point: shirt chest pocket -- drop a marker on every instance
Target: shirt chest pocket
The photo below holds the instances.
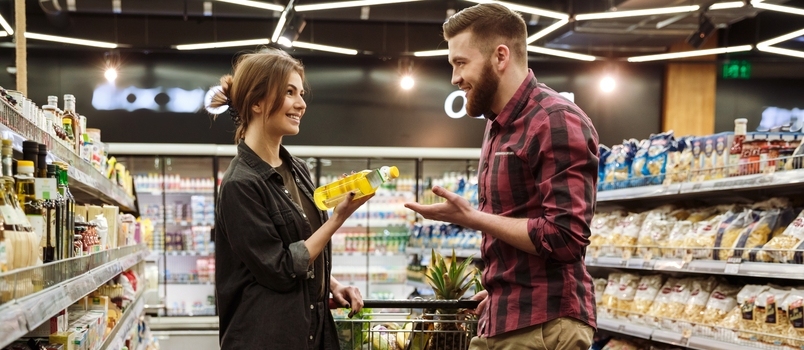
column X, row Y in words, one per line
column 510, row 173
column 285, row 223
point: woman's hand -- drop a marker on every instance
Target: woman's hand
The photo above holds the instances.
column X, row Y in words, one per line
column 347, row 296
column 348, row 206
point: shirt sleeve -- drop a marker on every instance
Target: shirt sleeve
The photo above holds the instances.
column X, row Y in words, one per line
column 253, row 237
column 563, row 157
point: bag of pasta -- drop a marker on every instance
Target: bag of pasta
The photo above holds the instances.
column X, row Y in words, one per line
column 654, row 232
column 722, row 300
column 603, row 153
column 747, row 298
column 672, row 246
column 728, row 232
column 600, row 288
column 762, row 253
column 624, row 236
column 702, row 241
column 609, row 299
column 618, row 165
column 702, row 214
column 794, row 304
column 638, row 165
column 782, row 248
column 699, row 297
column 601, row 227
column 660, row 304
column 647, row 290
column 625, row 294
column 679, row 161
column 674, row 310
column 769, row 315
column 731, row 321
column 656, row 165
column 749, row 244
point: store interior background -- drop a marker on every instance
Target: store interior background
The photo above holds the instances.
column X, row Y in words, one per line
column 357, row 100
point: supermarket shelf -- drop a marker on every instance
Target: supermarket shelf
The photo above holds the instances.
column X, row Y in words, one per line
column 86, row 183
column 419, row 285
column 668, row 337
column 446, row 252
column 21, row 315
column 781, row 180
column 188, row 193
column 374, row 254
column 190, row 283
column 638, row 192
column 752, row 269
column 188, row 253
column 117, row 337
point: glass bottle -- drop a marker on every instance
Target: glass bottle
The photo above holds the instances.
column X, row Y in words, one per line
column 26, row 195
column 69, row 112
column 67, row 124
column 69, row 209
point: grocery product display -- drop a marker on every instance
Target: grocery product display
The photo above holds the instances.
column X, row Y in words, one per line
column 70, row 252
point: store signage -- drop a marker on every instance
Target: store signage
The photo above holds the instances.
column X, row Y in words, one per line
column 737, row 70
column 449, row 103
column 108, row 97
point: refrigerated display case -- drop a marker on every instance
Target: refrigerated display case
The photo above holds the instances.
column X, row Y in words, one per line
column 370, row 251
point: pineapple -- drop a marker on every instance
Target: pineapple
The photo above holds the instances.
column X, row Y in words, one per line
column 449, row 283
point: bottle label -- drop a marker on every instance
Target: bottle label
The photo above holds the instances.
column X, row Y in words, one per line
column 8, row 214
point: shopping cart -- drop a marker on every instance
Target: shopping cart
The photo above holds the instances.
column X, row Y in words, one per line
column 409, row 325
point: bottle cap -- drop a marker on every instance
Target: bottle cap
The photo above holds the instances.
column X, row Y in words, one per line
column 740, row 121
column 25, row 167
column 67, row 121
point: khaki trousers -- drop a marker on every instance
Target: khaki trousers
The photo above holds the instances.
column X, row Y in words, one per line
column 563, row 333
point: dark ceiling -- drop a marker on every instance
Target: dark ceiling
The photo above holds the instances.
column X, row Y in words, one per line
column 391, row 30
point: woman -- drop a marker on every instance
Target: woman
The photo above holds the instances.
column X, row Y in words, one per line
column 273, row 254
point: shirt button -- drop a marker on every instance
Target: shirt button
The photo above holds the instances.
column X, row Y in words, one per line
column 312, row 307
column 311, row 337
column 292, row 275
column 304, row 216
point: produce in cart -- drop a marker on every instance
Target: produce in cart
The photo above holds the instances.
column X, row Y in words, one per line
column 449, row 283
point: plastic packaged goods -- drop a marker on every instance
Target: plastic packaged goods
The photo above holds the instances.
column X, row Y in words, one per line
column 654, row 231
column 601, row 228
column 722, row 300
column 363, row 183
column 679, row 161
column 649, row 287
column 794, row 304
column 780, row 248
column 700, row 294
column 637, row 176
column 729, row 238
column 624, row 295
column 656, row 163
column 746, row 299
column 609, row 299
column 600, row 287
column 696, row 173
column 672, row 246
column 625, row 234
column 703, row 239
column 618, row 165
column 769, row 316
column 603, row 153
column 660, row 304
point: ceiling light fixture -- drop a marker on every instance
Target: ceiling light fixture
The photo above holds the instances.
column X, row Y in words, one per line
column 431, row 53
column 560, row 53
column 695, row 53
column 781, row 51
column 257, row 4
column 220, row 44
column 6, row 26
column 727, row 5
column 3, row 33
column 782, row 38
column 607, row 84
column 525, row 9
column 636, row 13
column 778, row 8
column 547, row 30
column 407, row 82
column 281, row 24
column 346, row 4
column 311, row 46
column 73, row 41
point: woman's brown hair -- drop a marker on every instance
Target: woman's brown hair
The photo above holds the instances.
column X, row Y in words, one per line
column 257, row 76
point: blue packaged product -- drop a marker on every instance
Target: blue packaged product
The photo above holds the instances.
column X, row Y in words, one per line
column 637, row 177
column 603, row 154
column 656, row 165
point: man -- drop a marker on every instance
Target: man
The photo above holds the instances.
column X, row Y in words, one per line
column 537, row 187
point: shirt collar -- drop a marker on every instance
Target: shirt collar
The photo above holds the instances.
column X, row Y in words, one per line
column 517, row 102
column 260, row 166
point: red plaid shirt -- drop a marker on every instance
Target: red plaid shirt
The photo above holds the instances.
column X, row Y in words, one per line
column 539, row 161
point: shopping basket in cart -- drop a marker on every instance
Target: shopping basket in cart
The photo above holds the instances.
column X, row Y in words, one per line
column 408, row 325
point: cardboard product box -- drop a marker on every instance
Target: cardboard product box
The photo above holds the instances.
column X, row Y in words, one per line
column 66, row 339
column 80, row 342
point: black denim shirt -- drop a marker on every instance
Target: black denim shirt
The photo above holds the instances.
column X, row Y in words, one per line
column 266, row 295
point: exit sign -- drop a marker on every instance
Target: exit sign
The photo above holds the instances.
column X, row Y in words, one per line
column 737, row 70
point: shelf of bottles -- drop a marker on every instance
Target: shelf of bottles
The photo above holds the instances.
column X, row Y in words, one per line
column 33, row 295
column 94, row 178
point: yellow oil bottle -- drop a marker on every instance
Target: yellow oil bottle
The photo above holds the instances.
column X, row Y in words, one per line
column 362, row 183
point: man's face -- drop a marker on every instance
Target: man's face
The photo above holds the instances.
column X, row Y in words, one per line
column 473, row 73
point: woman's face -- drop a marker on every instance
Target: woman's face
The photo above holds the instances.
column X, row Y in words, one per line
column 286, row 120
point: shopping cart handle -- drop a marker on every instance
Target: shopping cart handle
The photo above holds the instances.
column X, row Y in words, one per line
column 420, row 304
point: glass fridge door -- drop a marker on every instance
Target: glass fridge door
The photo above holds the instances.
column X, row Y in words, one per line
column 189, row 214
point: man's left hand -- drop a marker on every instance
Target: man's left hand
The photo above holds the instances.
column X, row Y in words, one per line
column 348, row 296
column 456, row 209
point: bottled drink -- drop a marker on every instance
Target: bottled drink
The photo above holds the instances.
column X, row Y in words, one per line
column 68, row 130
column 52, row 216
column 69, row 211
column 26, row 195
column 362, row 184
column 737, row 146
column 69, row 113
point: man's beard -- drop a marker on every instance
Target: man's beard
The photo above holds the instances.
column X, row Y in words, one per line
column 483, row 93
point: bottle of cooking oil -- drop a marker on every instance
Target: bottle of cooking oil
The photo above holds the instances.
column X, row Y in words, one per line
column 362, row 184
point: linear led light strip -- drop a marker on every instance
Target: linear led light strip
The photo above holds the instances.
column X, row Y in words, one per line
column 695, row 53
column 6, row 26
column 525, row 9
column 635, row 13
column 256, row 4
column 766, row 45
column 311, row 46
column 346, row 4
column 560, row 53
column 66, row 40
column 202, row 46
column 778, row 8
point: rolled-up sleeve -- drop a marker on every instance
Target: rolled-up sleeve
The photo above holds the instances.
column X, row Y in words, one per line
column 563, row 156
column 252, row 234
